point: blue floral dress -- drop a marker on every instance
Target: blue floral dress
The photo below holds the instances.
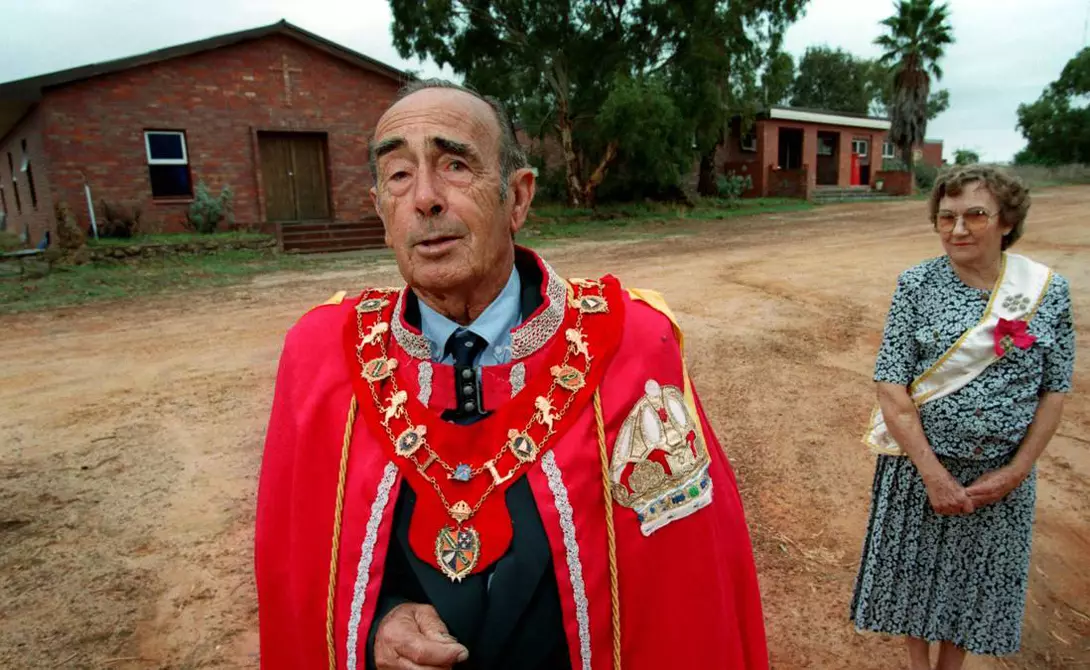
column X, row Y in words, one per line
column 960, row 579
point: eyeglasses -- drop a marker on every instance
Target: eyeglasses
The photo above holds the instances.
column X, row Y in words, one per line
column 974, row 218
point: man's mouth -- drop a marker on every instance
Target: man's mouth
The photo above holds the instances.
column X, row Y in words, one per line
column 437, row 244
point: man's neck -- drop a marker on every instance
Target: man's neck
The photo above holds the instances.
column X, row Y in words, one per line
column 463, row 307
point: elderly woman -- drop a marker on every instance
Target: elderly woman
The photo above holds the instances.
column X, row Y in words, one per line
column 977, row 355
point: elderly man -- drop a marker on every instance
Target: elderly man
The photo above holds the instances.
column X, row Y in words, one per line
column 493, row 467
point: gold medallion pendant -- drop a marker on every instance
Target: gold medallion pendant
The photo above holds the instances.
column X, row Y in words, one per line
column 568, row 377
column 457, row 551
column 410, row 440
column 522, row 446
column 377, row 369
column 372, row 305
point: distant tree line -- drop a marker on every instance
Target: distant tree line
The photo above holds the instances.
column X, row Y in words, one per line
column 634, row 91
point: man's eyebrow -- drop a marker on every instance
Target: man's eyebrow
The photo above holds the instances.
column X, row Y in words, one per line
column 453, row 147
column 388, row 145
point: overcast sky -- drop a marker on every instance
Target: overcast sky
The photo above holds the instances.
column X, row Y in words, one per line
column 1007, row 51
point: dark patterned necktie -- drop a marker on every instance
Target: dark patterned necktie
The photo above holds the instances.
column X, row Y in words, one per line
column 465, row 346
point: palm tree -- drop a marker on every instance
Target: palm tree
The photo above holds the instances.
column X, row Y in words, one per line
column 915, row 41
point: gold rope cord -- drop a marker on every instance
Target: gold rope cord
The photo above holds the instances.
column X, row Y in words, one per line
column 333, row 554
column 614, row 590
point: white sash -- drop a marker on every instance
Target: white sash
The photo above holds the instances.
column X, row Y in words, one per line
column 1017, row 294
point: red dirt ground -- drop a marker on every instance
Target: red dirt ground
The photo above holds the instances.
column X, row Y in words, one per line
column 132, row 436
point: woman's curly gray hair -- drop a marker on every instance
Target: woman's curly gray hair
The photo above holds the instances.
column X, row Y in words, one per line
column 1009, row 191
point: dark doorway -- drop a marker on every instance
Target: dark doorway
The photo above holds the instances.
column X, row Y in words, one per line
column 790, row 151
column 295, row 176
column 828, row 158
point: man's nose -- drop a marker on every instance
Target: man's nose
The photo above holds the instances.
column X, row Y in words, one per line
column 428, row 195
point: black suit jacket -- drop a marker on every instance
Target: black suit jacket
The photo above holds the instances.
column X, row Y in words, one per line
column 516, row 622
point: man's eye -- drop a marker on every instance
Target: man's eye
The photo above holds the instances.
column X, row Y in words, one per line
column 399, row 175
column 457, row 166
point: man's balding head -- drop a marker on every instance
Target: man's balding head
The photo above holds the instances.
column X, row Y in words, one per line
column 510, row 155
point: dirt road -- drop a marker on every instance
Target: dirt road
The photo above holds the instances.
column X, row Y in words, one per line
column 130, row 437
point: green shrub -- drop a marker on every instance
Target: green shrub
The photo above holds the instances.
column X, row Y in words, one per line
column 926, row 176
column 731, row 186
column 207, row 212
column 10, row 241
column 894, row 165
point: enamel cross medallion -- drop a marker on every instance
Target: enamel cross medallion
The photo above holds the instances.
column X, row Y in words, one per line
column 457, row 551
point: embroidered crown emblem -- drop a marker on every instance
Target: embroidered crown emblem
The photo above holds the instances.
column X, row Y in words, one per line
column 660, row 462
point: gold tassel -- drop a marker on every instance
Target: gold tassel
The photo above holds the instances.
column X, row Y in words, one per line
column 614, row 590
column 334, row 553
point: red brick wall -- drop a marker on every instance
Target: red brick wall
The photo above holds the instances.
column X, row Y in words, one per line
column 895, row 182
column 932, row 153
column 95, row 129
column 37, row 218
column 790, row 183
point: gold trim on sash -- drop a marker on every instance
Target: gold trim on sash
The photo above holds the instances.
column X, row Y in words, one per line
column 1018, row 276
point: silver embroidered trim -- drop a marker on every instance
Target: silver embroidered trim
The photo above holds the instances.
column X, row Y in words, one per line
column 571, row 546
column 414, row 344
column 526, row 340
column 363, row 570
column 536, row 332
column 423, row 378
column 518, row 378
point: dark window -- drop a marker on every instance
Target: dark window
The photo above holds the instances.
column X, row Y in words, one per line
column 3, row 208
column 14, row 185
column 168, row 164
column 29, row 170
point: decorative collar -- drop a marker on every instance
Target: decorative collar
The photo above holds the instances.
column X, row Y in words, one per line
column 526, row 340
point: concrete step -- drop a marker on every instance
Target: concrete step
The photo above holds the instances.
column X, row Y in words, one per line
column 331, row 236
column 848, row 194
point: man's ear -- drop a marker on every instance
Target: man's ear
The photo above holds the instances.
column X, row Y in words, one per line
column 378, row 210
column 521, row 189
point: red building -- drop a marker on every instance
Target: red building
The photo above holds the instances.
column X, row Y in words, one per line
column 795, row 152
column 279, row 114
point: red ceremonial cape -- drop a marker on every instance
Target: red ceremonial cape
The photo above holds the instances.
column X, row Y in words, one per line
column 685, row 579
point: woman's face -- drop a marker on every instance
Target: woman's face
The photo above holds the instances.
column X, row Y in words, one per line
column 970, row 226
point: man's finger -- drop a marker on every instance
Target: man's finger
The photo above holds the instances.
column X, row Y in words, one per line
column 426, row 651
column 427, row 619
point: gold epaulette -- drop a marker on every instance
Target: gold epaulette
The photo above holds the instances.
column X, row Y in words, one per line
column 657, row 302
column 336, row 299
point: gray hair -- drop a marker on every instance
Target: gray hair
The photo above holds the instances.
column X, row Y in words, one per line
column 1010, row 192
column 512, row 157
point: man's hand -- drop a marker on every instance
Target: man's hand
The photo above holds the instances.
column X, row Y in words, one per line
column 993, row 486
column 413, row 637
column 946, row 494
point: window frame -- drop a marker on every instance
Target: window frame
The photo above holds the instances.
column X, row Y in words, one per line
column 857, row 143
column 176, row 162
column 184, row 160
column 892, row 150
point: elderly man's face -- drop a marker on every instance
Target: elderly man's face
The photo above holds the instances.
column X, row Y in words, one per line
column 438, row 191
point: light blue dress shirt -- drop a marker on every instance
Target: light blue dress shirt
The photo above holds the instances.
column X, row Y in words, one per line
column 494, row 326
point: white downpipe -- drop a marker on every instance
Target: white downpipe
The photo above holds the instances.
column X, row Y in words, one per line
column 91, row 208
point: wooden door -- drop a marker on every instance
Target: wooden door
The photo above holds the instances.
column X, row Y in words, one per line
column 311, row 190
column 295, row 176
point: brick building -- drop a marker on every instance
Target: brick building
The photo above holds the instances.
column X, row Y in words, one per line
column 794, row 152
column 279, row 114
